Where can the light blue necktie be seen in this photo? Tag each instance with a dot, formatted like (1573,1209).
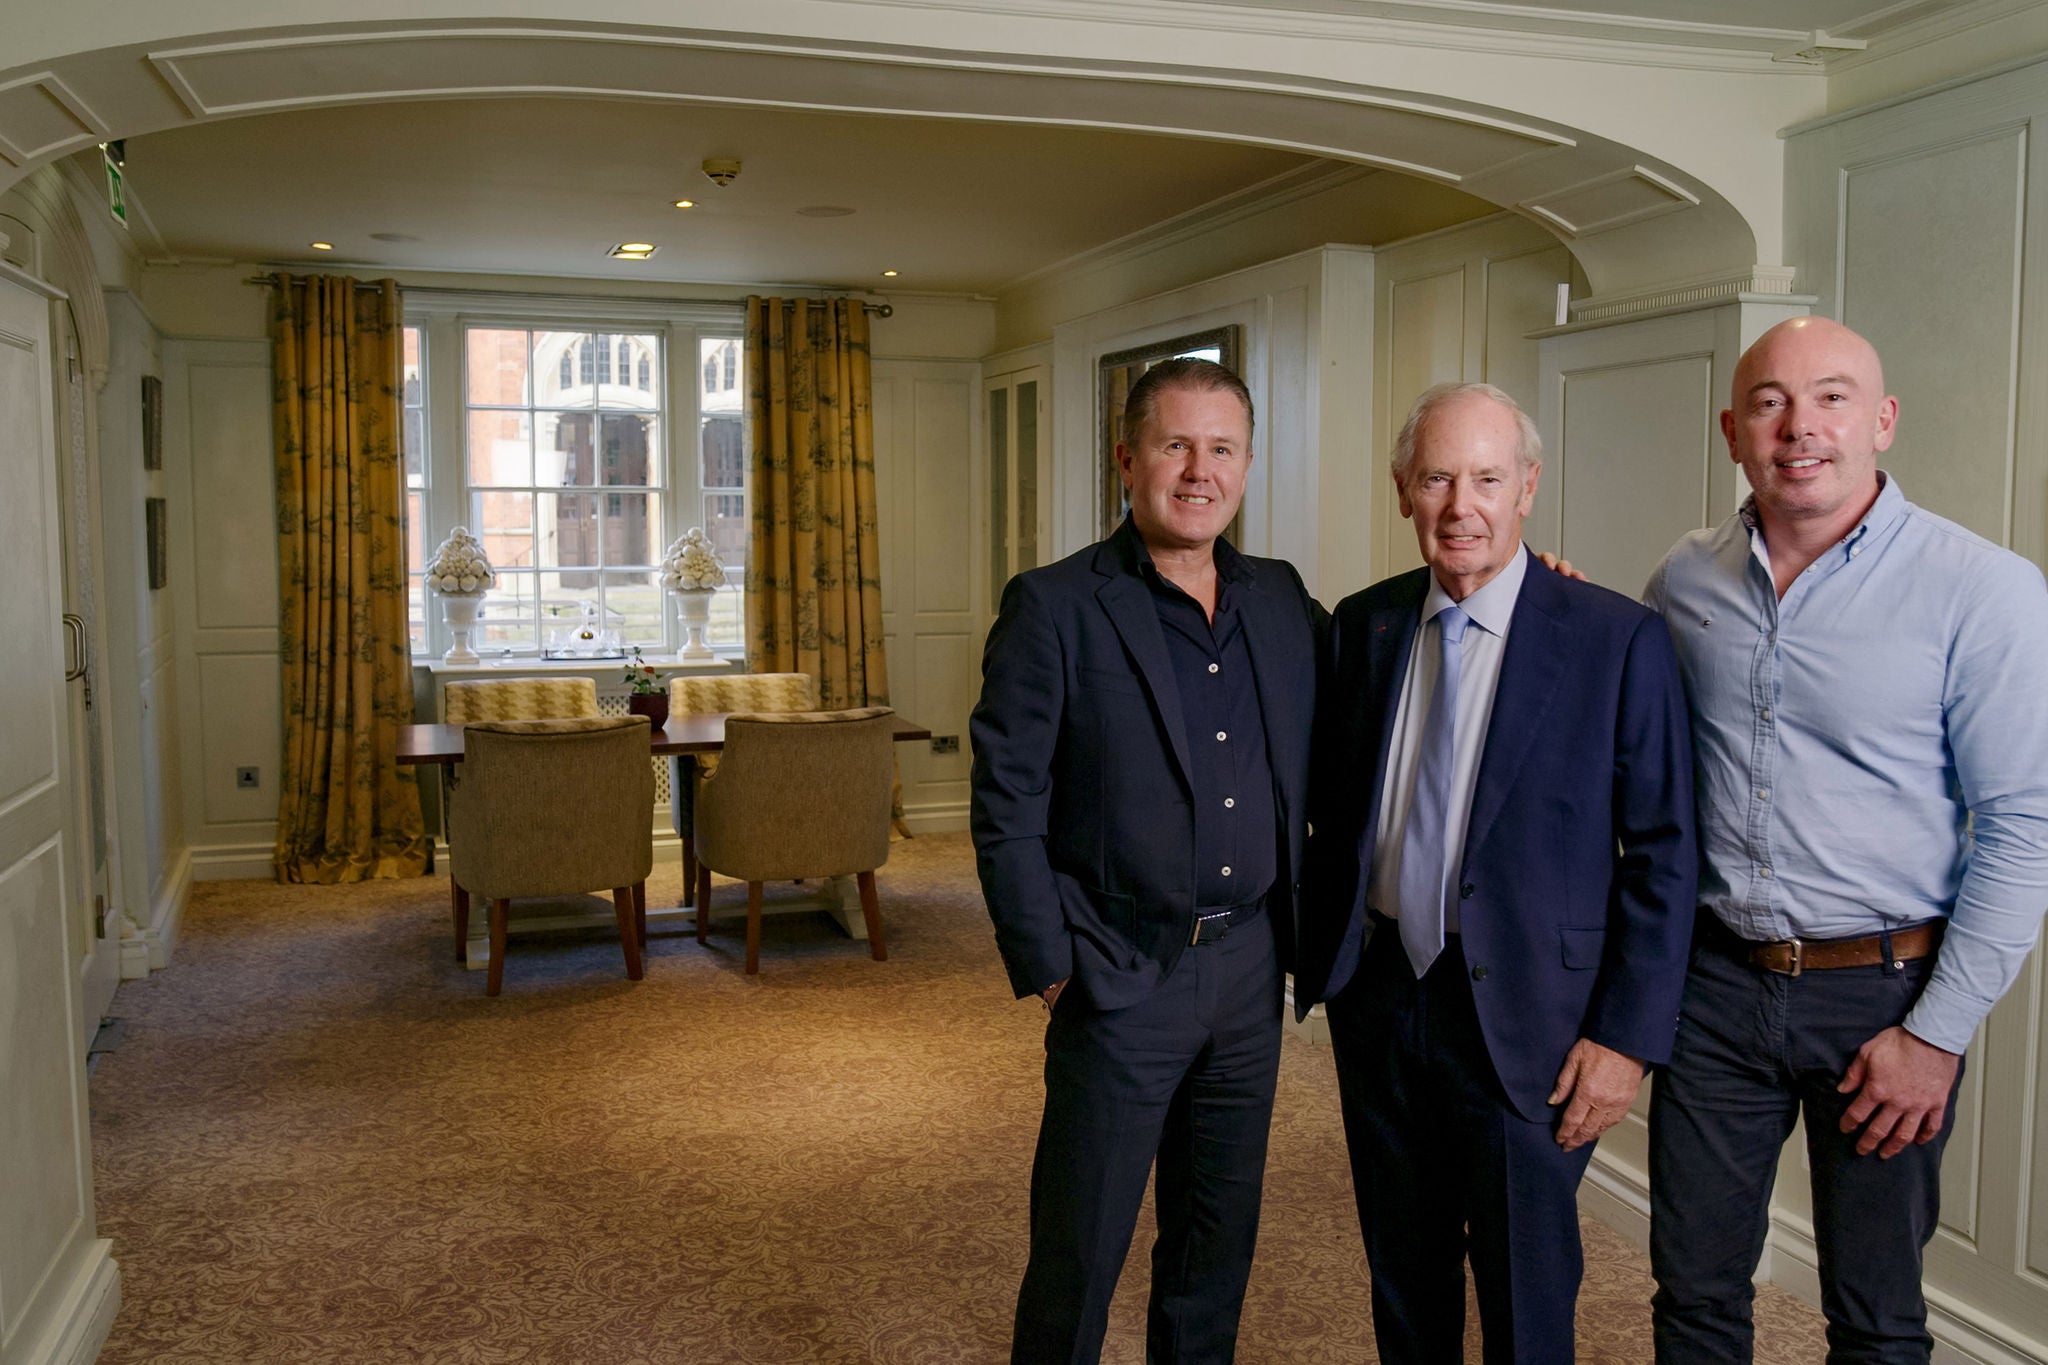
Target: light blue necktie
(1425,861)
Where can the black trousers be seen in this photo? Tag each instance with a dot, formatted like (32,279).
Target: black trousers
(1185,1075)
(1754,1051)
(1445,1169)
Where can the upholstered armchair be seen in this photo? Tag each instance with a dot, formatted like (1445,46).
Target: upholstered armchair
(721,692)
(797,794)
(518,699)
(554,808)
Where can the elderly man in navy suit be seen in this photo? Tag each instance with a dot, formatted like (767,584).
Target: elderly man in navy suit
(1140,778)
(1501,891)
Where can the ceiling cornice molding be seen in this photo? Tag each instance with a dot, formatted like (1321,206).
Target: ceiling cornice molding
(1445,24)
(1289,187)
(1925,21)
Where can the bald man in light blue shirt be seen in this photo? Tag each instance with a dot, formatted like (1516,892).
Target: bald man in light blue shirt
(1870,749)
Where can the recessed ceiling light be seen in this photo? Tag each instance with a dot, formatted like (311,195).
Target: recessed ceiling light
(826,211)
(888,274)
(686,203)
(633,251)
(321,246)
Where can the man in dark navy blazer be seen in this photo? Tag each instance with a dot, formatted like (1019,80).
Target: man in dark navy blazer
(1501,891)
(1140,777)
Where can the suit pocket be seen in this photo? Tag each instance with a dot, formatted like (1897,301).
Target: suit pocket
(1583,948)
(1109,680)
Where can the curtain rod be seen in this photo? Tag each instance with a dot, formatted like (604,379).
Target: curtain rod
(881,310)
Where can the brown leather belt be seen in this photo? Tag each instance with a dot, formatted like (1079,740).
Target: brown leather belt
(1792,956)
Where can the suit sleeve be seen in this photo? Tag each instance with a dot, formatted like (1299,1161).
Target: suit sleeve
(1014,732)
(1635,1005)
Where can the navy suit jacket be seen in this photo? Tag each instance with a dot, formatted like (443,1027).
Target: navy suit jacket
(1083,813)
(1579,876)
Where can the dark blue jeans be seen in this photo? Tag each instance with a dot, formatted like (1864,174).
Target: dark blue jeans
(1755,1051)
(1185,1075)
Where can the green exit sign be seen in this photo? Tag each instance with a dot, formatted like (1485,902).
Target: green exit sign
(117,199)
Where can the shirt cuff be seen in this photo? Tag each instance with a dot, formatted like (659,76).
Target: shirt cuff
(1945,1018)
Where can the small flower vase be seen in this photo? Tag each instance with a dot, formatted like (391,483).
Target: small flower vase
(459,611)
(693,608)
(653,705)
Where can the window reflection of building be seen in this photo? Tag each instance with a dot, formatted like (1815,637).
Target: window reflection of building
(619,457)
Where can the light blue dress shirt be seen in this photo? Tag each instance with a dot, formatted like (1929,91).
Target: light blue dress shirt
(1872,750)
(1492,609)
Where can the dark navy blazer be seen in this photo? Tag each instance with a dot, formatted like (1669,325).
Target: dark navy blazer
(1580,865)
(1083,815)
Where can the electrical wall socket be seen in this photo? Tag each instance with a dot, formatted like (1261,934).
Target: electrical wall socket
(945,744)
(248,779)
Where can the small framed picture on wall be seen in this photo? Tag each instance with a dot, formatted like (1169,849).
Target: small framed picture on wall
(158,544)
(152,422)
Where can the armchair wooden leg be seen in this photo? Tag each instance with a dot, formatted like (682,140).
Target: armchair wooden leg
(689,869)
(461,897)
(753,928)
(629,930)
(640,912)
(703,900)
(871,911)
(501,910)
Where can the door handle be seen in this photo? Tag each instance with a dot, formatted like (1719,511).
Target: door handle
(74,641)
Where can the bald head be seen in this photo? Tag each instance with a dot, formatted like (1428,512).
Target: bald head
(1807,418)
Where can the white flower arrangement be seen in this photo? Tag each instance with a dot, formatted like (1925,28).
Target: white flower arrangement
(458,568)
(691,565)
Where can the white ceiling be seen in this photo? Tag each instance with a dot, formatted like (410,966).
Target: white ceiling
(540,186)
(547,186)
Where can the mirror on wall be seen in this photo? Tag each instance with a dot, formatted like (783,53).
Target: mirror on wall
(1117,372)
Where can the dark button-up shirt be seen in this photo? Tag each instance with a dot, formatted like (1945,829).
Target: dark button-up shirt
(1236,854)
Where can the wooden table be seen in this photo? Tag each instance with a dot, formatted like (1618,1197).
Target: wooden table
(694,732)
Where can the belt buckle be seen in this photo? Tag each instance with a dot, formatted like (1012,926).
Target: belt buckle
(1200,920)
(1798,946)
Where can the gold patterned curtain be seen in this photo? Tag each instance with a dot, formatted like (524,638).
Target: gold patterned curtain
(814,573)
(348,812)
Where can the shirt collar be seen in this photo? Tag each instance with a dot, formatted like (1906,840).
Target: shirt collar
(1889,507)
(1491,607)
(1231,565)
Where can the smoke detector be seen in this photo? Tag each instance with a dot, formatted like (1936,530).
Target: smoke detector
(721,170)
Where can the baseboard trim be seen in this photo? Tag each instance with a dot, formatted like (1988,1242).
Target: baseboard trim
(1617,1194)
(947,817)
(166,918)
(233,862)
(86,1314)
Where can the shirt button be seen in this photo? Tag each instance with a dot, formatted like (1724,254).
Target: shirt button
(1214,667)
(1221,735)
(1226,872)
(1763,793)
(1767,713)
(1229,802)
(1764,872)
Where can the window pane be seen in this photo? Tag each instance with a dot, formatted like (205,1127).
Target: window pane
(557,379)
(500,449)
(567,599)
(636,598)
(497,366)
(504,523)
(725,521)
(728,617)
(568,531)
(415,537)
(416,610)
(567,456)
(719,374)
(415,447)
(628,530)
(628,453)
(505,618)
(725,453)
(619,390)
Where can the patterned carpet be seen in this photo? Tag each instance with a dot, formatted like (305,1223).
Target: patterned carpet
(319,1142)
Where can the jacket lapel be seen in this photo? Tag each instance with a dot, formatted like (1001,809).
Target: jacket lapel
(1129,605)
(1538,641)
(1390,638)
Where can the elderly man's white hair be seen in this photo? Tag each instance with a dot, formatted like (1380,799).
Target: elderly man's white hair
(1528,448)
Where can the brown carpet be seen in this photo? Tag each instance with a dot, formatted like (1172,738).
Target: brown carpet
(319,1141)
